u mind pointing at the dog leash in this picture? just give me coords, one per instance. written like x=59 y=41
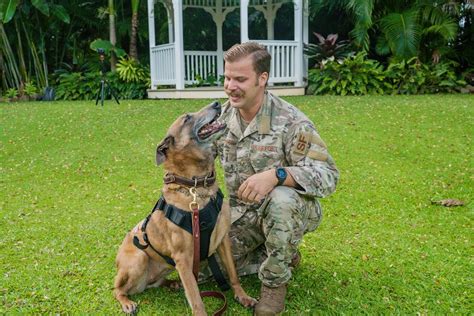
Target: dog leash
x=194 y=207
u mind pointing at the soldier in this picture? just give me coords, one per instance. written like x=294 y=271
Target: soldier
x=276 y=166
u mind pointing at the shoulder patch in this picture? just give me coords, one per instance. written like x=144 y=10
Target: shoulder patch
x=302 y=144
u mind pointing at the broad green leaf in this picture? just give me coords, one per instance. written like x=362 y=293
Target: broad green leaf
x=119 y=52
x=100 y=43
x=41 y=5
x=60 y=12
x=7 y=11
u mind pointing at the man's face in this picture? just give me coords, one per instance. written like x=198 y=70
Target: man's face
x=242 y=84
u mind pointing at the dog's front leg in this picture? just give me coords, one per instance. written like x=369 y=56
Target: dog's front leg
x=225 y=254
x=184 y=266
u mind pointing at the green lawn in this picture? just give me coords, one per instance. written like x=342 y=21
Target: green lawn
x=75 y=177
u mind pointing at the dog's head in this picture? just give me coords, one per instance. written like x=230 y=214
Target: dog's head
x=188 y=144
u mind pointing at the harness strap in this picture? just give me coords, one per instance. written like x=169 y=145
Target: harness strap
x=217 y=273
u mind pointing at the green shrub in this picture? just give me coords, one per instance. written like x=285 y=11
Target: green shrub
x=442 y=77
x=77 y=86
x=359 y=76
x=128 y=90
x=11 y=93
x=355 y=75
x=130 y=70
x=30 y=89
x=85 y=86
x=407 y=77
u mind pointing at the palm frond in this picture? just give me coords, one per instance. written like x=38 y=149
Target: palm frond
x=446 y=29
x=382 y=47
x=403 y=32
x=362 y=10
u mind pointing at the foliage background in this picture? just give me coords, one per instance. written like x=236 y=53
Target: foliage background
x=45 y=39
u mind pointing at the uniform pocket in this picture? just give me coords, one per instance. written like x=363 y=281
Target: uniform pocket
x=266 y=154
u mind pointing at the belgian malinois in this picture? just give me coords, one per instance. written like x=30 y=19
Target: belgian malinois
x=188 y=152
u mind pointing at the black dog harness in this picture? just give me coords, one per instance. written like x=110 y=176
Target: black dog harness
x=207 y=221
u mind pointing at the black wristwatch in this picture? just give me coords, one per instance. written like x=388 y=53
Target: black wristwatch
x=281 y=175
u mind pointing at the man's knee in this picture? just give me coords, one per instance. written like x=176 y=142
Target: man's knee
x=282 y=202
x=284 y=217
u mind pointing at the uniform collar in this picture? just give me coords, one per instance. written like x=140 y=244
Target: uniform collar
x=261 y=122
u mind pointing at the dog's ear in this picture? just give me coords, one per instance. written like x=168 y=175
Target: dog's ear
x=162 y=148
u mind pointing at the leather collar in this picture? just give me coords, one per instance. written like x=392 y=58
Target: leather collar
x=205 y=181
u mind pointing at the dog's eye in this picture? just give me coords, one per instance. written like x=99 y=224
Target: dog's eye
x=187 y=117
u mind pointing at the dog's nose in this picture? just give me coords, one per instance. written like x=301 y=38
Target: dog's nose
x=216 y=105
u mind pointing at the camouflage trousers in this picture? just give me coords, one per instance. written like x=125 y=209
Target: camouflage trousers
x=264 y=240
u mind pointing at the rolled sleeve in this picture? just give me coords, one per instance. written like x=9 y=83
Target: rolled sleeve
x=309 y=161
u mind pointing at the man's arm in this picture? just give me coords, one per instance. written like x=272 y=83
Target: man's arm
x=311 y=169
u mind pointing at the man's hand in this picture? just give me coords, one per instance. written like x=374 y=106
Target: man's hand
x=257 y=186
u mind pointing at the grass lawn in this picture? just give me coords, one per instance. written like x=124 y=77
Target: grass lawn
x=76 y=177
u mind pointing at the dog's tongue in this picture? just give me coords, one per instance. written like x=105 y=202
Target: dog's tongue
x=209 y=129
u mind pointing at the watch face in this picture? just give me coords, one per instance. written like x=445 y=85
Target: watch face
x=281 y=173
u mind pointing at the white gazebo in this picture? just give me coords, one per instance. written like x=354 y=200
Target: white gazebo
x=171 y=65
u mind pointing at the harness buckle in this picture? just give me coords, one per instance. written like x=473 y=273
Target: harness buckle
x=193 y=205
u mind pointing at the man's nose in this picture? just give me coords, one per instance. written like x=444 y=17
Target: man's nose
x=231 y=84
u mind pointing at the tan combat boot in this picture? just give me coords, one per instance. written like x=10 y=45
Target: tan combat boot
x=272 y=301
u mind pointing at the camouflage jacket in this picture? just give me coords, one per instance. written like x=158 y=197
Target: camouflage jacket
x=280 y=135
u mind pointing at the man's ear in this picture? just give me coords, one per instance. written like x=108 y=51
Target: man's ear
x=162 y=149
x=263 y=79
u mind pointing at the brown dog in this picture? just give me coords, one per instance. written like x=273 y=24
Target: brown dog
x=186 y=151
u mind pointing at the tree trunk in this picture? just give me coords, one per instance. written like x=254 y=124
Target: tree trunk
x=113 y=35
x=133 y=37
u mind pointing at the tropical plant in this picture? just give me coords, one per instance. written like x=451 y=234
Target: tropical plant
x=26 y=23
x=326 y=48
x=11 y=93
x=407 y=77
x=356 y=75
x=77 y=86
x=129 y=70
x=109 y=48
x=30 y=89
x=403 y=29
x=359 y=76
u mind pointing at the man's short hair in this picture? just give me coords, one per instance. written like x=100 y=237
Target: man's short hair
x=260 y=56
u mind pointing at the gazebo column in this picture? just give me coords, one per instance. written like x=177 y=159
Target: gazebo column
x=269 y=11
x=169 y=12
x=178 y=43
x=218 y=16
x=305 y=35
x=220 y=50
x=151 y=32
x=244 y=21
x=299 y=41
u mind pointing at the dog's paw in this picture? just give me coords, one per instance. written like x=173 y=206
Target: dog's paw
x=130 y=308
x=246 y=300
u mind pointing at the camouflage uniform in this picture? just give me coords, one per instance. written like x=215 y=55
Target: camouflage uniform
x=265 y=237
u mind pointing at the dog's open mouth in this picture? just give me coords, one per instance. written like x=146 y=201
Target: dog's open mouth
x=209 y=129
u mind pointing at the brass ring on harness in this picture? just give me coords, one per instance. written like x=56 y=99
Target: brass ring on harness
x=193 y=206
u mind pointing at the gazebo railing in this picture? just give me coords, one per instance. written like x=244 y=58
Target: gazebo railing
x=163 y=72
x=283 y=66
x=199 y=65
